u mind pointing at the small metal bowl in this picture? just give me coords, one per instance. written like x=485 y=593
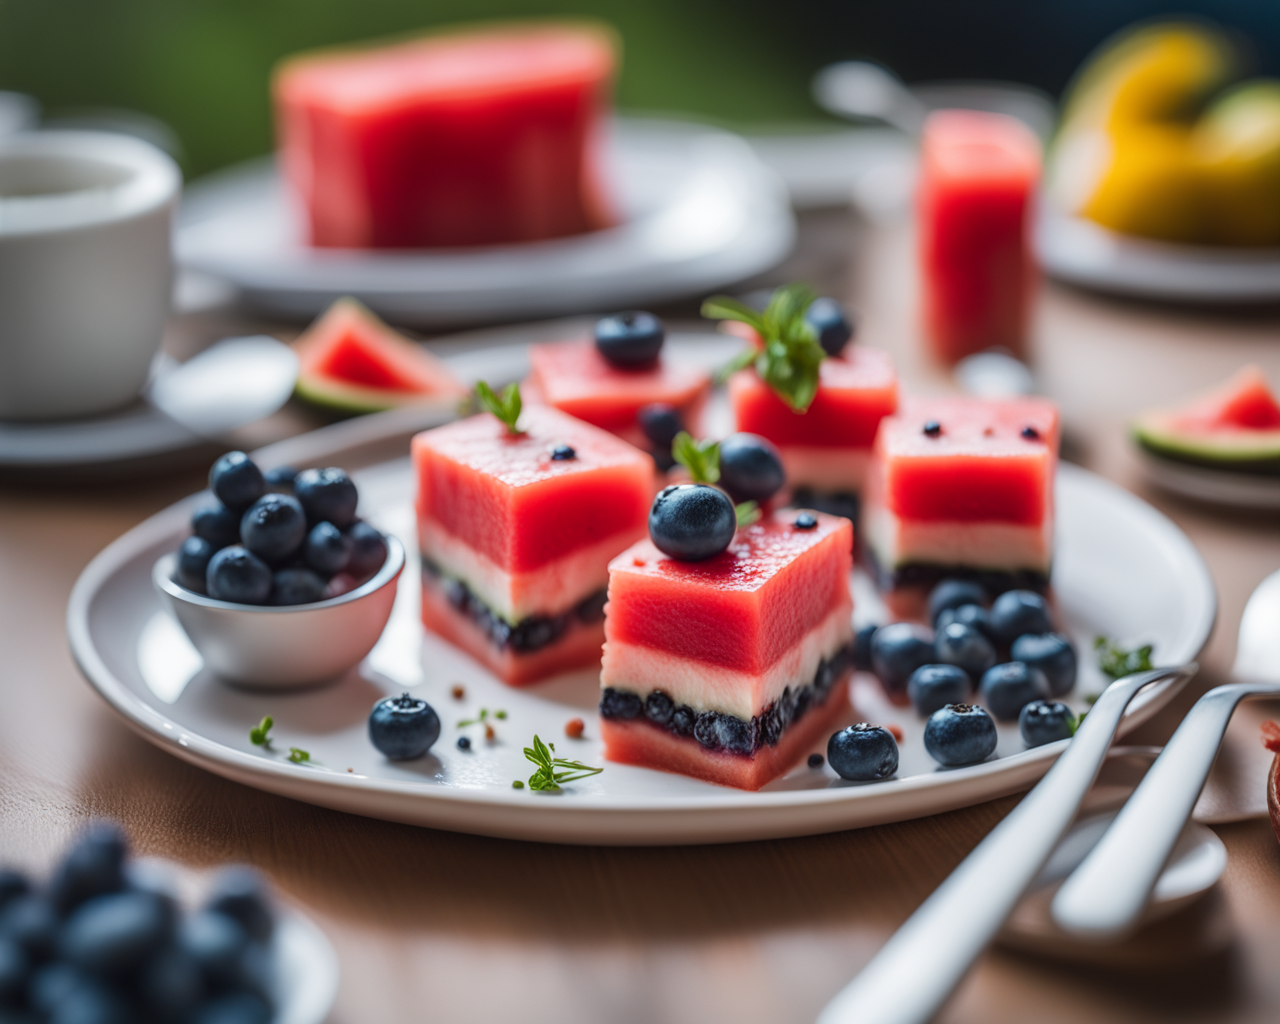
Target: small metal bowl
x=275 y=647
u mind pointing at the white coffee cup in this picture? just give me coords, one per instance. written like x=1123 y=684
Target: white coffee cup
x=85 y=270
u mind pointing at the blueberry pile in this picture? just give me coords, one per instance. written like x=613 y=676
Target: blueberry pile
x=281 y=538
x=106 y=942
x=981 y=661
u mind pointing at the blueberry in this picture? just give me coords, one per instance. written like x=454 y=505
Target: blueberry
x=630 y=340
x=32 y=923
x=296 y=586
x=274 y=527
x=217 y=524
x=234 y=1008
x=193 y=563
x=240 y=893
x=1019 y=611
x=933 y=429
x=464 y=743
x=620 y=704
x=862 y=648
x=403 y=727
x=683 y=719
x=863 y=752
x=91 y=1003
x=215 y=941
x=327 y=495
x=660 y=423
x=12 y=885
x=281 y=479
x=958 y=644
x=833 y=327
x=112 y=935
x=52 y=984
x=94 y=866
x=171 y=985
x=952 y=594
x=327 y=549
x=750 y=467
x=959 y=734
x=969 y=615
x=1052 y=654
x=368 y=550
x=935 y=686
x=692 y=521
x=15 y=966
x=236 y=481
x=658 y=707
x=897 y=650
x=816 y=760
x=805 y=521
x=237 y=575
x=1006 y=689
x=563 y=453
x=1045 y=721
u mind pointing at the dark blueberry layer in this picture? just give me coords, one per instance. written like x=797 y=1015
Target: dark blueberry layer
x=717 y=731
x=993 y=581
x=527 y=635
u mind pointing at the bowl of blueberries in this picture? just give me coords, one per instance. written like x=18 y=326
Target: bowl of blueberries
x=280 y=584
x=111 y=940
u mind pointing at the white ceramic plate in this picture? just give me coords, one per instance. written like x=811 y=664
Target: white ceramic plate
x=699 y=211
x=1122 y=569
x=1212 y=486
x=1080 y=252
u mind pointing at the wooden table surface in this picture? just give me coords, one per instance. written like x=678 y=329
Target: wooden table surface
x=430 y=925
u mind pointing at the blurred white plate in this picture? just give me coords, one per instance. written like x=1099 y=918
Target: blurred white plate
x=1212 y=486
x=699 y=212
x=1121 y=568
x=1083 y=253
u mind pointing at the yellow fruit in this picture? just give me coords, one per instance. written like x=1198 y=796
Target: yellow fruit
x=1236 y=146
x=1150 y=185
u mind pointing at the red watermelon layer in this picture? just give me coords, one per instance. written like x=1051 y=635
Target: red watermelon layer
x=573 y=377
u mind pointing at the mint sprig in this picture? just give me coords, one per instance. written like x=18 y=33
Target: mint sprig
x=790 y=355
x=260 y=734
x=552 y=771
x=700 y=458
x=1115 y=661
x=506 y=406
x=299 y=756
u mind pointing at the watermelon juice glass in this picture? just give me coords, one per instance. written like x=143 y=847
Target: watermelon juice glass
x=475 y=137
x=978 y=173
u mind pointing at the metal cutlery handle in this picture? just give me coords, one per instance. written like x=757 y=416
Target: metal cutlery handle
x=912 y=975
x=1105 y=896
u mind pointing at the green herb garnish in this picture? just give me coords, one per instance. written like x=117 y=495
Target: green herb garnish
x=298 y=756
x=505 y=406
x=747 y=512
x=700 y=458
x=547 y=777
x=258 y=735
x=1115 y=661
x=482 y=718
x=789 y=357
x=517 y=784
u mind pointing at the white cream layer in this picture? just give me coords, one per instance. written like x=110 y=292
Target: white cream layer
x=1002 y=547
x=547 y=590
x=715 y=688
x=827 y=469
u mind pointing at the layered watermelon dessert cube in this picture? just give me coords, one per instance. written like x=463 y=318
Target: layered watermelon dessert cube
x=826 y=449
x=729 y=669
x=574 y=377
x=516 y=531
x=963 y=487
x=460 y=138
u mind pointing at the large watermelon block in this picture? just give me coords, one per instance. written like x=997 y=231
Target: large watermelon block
x=827 y=448
x=964 y=486
x=575 y=378
x=729 y=669
x=464 y=138
x=349 y=359
x=516 y=545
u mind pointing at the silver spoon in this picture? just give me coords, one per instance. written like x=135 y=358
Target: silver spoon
x=865 y=91
x=1104 y=897
x=915 y=971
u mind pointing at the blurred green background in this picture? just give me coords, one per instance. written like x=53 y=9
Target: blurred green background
x=202 y=66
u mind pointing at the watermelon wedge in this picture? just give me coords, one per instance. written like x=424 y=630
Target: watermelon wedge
x=1235 y=427
x=350 y=360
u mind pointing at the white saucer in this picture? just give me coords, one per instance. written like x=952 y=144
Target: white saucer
x=1083 y=253
x=1212 y=486
x=1122 y=569
x=701 y=211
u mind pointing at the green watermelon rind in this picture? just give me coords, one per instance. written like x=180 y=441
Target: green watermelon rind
x=1239 y=450
x=353 y=398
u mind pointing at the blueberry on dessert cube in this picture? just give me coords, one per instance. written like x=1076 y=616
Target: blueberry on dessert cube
x=960 y=734
x=897 y=650
x=217 y=524
x=1052 y=654
x=863 y=753
x=973 y=499
x=731 y=667
x=932 y=687
x=750 y=468
x=236 y=574
x=692 y=522
x=327 y=495
x=1045 y=721
x=404 y=727
x=834 y=329
x=193 y=563
x=514 y=542
x=631 y=340
x=1017 y=612
x=1006 y=689
x=641 y=403
x=274 y=527
x=236 y=481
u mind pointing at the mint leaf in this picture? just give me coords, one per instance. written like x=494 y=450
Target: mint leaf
x=1115 y=661
x=258 y=735
x=547 y=778
x=700 y=458
x=298 y=756
x=505 y=406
